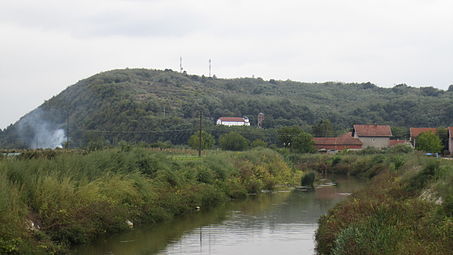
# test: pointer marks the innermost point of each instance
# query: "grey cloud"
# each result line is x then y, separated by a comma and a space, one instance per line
97, 21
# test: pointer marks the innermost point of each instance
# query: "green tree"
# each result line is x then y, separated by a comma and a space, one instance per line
287, 134
296, 139
400, 132
207, 140
443, 135
233, 141
303, 143
324, 128
428, 142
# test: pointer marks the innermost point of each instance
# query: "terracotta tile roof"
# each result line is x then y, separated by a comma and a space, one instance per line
450, 129
342, 142
373, 130
235, 119
395, 142
325, 140
414, 132
348, 139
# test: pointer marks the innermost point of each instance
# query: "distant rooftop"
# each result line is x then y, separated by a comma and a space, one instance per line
414, 132
373, 130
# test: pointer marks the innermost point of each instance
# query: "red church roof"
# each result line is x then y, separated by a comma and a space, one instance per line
232, 119
373, 130
414, 132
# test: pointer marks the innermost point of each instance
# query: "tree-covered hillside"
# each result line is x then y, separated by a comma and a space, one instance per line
141, 105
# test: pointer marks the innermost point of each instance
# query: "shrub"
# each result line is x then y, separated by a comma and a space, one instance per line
207, 140
259, 143
308, 179
233, 141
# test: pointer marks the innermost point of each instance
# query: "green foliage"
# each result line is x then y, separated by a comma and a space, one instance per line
76, 196
287, 134
421, 179
400, 148
323, 128
400, 133
308, 179
207, 140
303, 143
429, 142
139, 105
395, 213
443, 135
295, 139
259, 143
233, 141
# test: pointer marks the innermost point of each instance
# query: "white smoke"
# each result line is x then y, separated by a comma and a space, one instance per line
37, 132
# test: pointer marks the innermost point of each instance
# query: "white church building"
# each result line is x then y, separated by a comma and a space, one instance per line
233, 121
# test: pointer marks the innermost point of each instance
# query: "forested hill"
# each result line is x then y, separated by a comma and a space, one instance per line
151, 105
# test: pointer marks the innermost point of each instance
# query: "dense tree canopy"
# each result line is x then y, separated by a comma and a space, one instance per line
296, 139
323, 128
140, 105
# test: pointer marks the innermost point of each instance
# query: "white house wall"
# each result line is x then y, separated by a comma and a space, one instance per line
232, 123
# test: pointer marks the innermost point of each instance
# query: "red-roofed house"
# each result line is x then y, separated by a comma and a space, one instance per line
415, 132
233, 121
342, 142
377, 136
450, 140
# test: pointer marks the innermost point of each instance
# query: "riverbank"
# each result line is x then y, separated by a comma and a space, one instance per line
406, 209
278, 222
51, 201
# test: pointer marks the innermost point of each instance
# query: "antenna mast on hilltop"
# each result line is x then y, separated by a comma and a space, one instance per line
180, 64
209, 68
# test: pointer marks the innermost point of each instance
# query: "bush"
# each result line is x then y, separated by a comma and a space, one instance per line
308, 179
401, 148
233, 141
207, 140
259, 143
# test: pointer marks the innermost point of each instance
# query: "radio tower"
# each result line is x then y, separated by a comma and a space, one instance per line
180, 64
209, 68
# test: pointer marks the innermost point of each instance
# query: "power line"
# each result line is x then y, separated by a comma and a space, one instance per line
136, 132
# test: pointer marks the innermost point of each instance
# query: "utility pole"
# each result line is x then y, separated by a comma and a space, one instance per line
199, 139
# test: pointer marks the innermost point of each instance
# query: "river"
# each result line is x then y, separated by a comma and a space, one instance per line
271, 223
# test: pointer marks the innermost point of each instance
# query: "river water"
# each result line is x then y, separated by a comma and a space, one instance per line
271, 223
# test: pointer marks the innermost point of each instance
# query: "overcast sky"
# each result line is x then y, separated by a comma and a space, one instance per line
47, 45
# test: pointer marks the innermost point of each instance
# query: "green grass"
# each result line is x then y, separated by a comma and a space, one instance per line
73, 197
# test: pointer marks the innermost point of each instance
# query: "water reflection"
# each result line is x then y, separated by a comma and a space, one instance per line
277, 223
